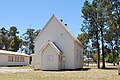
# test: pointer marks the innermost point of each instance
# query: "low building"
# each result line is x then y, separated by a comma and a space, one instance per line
9, 58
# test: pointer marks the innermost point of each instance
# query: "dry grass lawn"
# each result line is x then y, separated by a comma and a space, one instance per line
86, 74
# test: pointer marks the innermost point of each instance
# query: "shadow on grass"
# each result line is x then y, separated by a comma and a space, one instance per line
79, 69
110, 68
16, 66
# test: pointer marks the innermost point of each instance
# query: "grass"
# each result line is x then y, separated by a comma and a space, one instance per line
88, 73
23, 67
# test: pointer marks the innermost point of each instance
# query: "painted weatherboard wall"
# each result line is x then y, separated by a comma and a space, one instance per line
55, 32
5, 62
78, 55
50, 59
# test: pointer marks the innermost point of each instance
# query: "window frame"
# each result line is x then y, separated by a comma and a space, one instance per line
10, 58
50, 57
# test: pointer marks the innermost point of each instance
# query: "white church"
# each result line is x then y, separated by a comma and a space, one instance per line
56, 48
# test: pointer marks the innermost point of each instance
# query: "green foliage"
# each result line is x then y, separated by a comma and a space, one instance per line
15, 42
9, 39
91, 25
95, 57
102, 24
84, 38
109, 58
28, 42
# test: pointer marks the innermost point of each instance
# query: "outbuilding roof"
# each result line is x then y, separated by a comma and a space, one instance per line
12, 53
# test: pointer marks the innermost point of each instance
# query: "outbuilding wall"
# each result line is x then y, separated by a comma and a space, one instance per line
5, 62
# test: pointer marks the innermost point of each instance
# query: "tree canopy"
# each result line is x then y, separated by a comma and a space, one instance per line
101, 23
12, 41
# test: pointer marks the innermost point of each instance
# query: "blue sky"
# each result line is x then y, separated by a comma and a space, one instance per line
35, 13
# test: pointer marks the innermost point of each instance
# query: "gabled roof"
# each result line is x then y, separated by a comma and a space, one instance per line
53, 45
66, 29
12, 53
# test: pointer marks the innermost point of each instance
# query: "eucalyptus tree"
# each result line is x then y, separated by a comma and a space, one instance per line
15, 41
29, 37
84, 39
113, 21
90, 25
4, 39
102, 23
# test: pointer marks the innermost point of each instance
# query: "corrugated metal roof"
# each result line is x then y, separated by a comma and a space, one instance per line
12, 53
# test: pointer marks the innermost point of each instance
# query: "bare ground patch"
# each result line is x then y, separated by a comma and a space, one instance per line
13, 69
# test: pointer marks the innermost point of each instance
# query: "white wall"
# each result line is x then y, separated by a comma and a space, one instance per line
4, 60
57, 34
78, 55
49, 65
